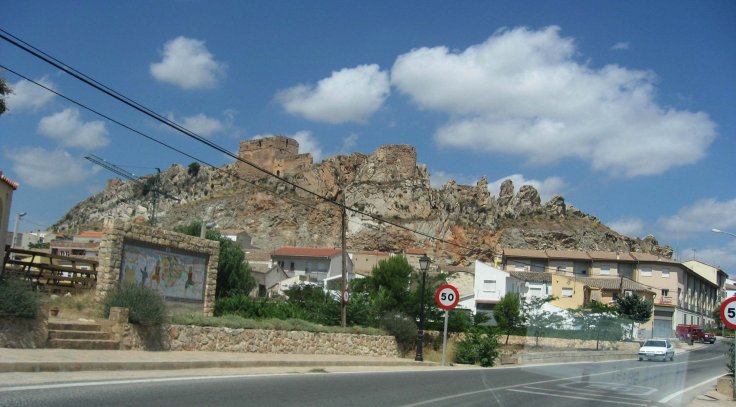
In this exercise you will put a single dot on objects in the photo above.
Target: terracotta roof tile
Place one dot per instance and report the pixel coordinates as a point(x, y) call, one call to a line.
point(91, 233)
point(531, 276)
point(415, 251)
point(539, 254)
point(567, 254)
point(8, 181)
point(613, 256)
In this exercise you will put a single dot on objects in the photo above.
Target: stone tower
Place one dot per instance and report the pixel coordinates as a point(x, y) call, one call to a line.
point(277, 154)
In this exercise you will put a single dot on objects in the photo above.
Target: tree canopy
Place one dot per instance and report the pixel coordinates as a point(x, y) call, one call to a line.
point(634, 307)
point(4, 91)
point(508, 313)
point(233, 271)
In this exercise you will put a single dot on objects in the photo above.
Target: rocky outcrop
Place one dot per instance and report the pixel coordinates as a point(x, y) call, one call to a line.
point(386, 190)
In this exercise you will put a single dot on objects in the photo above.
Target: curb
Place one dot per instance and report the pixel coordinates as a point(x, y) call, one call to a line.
point(36, 367)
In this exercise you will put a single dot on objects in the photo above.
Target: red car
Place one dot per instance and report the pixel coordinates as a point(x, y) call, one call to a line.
point(702, 336)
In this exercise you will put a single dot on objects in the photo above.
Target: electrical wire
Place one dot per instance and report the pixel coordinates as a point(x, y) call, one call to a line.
point(137, 106)
point(233, 174)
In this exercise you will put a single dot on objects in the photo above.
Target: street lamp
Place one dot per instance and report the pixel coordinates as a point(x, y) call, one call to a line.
point(722, 231)
point(424, 267)
point(18, 215)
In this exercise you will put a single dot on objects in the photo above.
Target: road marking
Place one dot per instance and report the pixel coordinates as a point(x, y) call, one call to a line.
point(671, 396)
point(584, 393)
point(608, 387)
point(597, 399)
point(571, 378)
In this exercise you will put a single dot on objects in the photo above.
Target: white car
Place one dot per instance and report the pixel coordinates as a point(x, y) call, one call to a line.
point(657, 349)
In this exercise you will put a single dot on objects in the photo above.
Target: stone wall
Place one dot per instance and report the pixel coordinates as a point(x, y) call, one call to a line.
point(111, 255)
point(201, 338)
point(570, 344)
point(23, 333)
point(277, 154)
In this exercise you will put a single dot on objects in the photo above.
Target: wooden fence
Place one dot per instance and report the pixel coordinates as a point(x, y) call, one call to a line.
point(50, 272)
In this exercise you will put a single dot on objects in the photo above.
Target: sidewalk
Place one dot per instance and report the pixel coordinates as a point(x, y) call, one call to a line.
point(72, 360)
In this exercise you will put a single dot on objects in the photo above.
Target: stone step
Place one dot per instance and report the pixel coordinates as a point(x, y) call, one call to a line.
point(89, 335)
point(74, 326)
point(84, 344)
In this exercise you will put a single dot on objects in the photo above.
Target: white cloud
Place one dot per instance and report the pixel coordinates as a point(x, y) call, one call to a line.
point(28, 95)
point(188, 64)
point(628, 226)
point(348, 95)
point(69, 130)
point(307, 143)
point(349, 142)
point(440, 178)
point(620, 46)
point(46, 169)
point(522, 92)
point(701, 216)
point(547, 188)
point(203, 125)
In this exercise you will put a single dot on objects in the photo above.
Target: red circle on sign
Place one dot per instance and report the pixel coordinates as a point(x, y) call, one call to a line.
point(730, 322)
point(450, 298)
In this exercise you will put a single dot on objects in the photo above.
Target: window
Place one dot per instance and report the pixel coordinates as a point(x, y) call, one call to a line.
point(665, 293)
point(489, 285)
point(605, 270)
point(535, 292)
point(665, 273)
point(645, 271)
point(567, 292)
point(520, 267)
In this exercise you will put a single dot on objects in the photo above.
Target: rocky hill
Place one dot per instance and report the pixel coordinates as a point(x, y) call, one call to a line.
point(384, 187)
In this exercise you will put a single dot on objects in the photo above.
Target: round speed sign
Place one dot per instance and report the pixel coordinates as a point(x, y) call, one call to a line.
point(447, 297)
point(728, 312)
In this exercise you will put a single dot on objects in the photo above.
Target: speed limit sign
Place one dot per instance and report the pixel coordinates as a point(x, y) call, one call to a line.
point(728, 312)
point(447, 297)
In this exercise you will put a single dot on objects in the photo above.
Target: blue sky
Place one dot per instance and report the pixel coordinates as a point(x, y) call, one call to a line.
point(625, 108)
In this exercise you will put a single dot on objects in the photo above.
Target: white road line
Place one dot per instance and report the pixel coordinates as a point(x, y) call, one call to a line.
point(583, 393)
point(671, 396)
point(471, 393)
point(599, 400)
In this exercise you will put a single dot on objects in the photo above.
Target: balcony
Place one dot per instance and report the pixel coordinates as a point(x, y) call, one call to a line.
point(665, 301)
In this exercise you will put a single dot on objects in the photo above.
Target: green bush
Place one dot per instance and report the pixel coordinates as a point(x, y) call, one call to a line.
point(17, 298)
point(146, 307)
point(477, 347)
point(403, 328)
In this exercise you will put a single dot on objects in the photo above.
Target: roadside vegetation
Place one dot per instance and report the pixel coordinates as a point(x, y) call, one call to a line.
point(17, 298)
point(145, 306)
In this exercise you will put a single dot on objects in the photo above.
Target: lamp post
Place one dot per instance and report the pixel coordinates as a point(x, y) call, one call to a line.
point(714, 230)
point(18, 215)
point(424, 267)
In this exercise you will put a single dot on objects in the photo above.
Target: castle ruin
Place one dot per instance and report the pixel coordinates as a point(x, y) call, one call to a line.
point(277, 154)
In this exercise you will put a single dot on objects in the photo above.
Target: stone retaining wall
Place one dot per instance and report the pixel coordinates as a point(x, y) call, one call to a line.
point(570, 344)
point(219, 339)
point(23, 333)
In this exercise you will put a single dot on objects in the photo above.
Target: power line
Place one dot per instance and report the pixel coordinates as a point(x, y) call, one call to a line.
point(137, 106)
point(234, 174)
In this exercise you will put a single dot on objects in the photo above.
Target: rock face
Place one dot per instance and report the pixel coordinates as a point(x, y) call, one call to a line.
point(384, 190)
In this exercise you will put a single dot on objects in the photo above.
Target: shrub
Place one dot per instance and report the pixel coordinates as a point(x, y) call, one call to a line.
point(477, 347)
point(17, 298)
point(146, 307)
point(402, 328)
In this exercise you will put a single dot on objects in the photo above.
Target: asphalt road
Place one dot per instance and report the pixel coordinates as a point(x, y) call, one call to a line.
point(620, 383)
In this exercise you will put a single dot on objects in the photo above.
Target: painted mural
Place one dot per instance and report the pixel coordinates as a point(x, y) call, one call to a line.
point(176, 275)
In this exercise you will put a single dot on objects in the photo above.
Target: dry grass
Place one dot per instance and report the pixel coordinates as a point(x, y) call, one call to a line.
point(75, 306)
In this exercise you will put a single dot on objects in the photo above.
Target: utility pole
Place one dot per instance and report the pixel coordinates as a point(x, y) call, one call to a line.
point(343, 292)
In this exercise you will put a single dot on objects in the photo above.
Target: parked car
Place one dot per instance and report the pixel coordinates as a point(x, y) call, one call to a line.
point(657, 349)
point(702, 336)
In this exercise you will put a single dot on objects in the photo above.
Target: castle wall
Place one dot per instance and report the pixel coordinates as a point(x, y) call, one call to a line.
point(277, 154)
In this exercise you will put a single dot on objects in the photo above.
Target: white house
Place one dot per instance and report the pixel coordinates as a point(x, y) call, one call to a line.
point(313, 264)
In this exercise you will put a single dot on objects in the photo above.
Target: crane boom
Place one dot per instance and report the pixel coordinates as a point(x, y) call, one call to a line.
point(129, 176)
